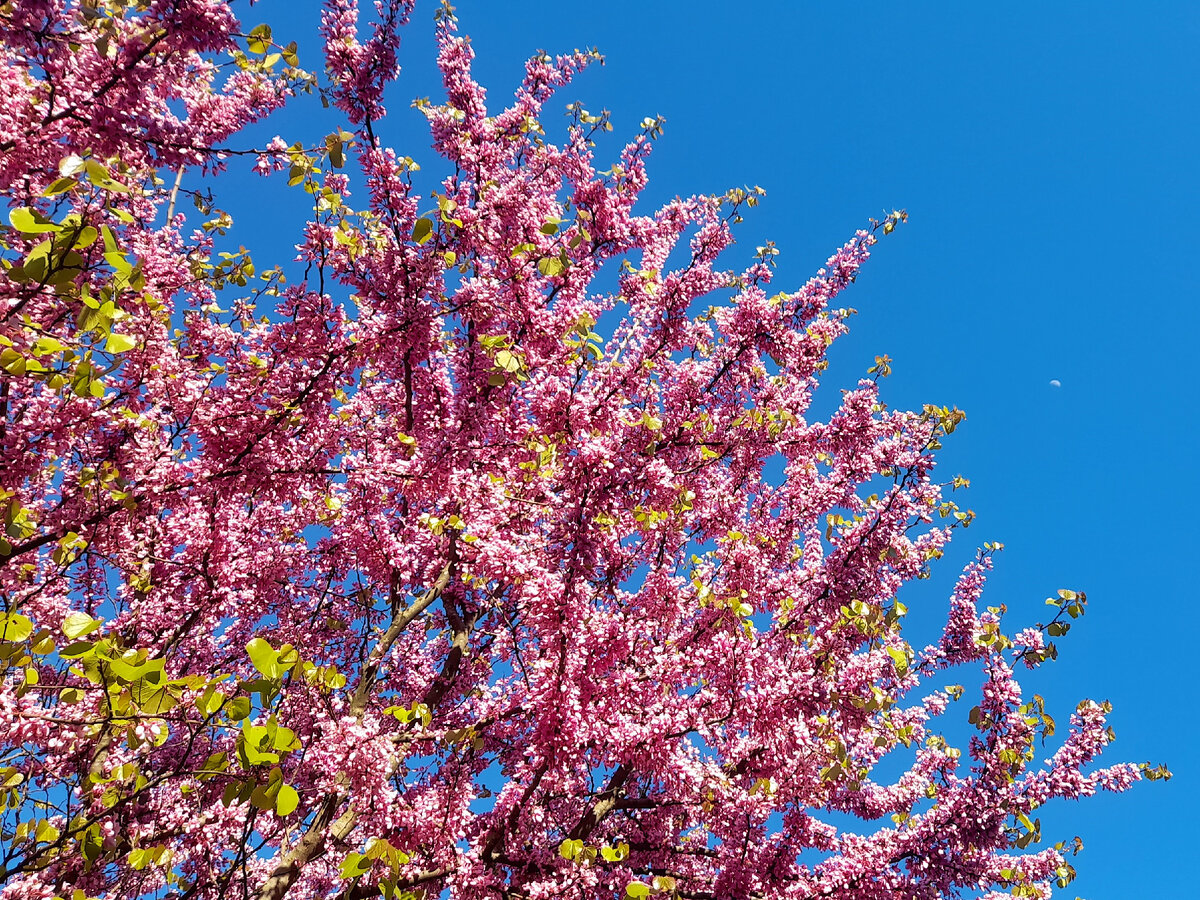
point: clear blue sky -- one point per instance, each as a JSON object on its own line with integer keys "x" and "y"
{"x": 1047, "y": 156}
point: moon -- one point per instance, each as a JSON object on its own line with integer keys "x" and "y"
{"x": 1054, "y": 382}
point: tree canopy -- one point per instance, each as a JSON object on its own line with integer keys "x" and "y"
{"x": 489, "y": 549}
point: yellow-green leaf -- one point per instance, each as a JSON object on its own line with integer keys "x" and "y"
{"x": 508, "y": 361}
{"x": 78, "y": 624}
{"x": 551, "y": 266}
{"x": 259, "y": 39}
{"x": 264, "y": 656}
{"x": 238, "y": 708}
{"x": 60, "y": 186}
{"x": 46, "y": 345}
{"x": 355, "y": 864}
{"x": 119, "y": 343}
{"x": 15, "y": 627}
{"x": 30, "y": 221}
{"x": 422, "y": 230}
{"x": 287, "y": 801}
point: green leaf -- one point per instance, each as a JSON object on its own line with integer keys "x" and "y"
{"x": 355, "y": 864}
{"x": 86, "y": 237}
{"x": 91, "y": 843}
{"x": 218, "y": 762}
{"x": 118, "y": 261}
{"x": 287, "y": 658}
{"x": 119, "y": 343}
{"x": 287, "y": 801}
{"x": 259, "y": 39}
{"x": 78, "y": 624}
{"x": 551, "y": 266}
{"x": 382, "y": 849}
{"x": 13, "y": 362}
{"x": 238, "y": 708}
{"x": 46, "y": 345}
{"x": 77, "y": 650}
{"x": 508, "y": 361}
{"x": 153, "y": 700}
{"x": 637, "y": 889}
{"x": 615, "y": 854}
{"x": 336, "y": 149}
{"x": 30, "y": 221}
{"x": 264, "y": 657}
{"x": 250, "y": 746}
{"x": 132, "y": 667}
{"x": 422, "y": 230}
{"x": 16, "y": 627}
{"x": 98, "y": 175}
{"x": 60, "y": 186}
{"x": 232, "y": 790}
{"x": 43, "y": 644}
{"x": 261, "y": 798}
{"x": 285, "y": 739}
{"x": 210, "y": 701}
{"x": 266, "y": 796}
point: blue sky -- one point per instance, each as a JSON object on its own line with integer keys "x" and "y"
{"x": 1046, "y": 155}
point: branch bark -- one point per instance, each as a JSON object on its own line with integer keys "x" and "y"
{"x": 401, "y": 619}
{"x": 606, "y": 802}
{"x": 312, "y": 844}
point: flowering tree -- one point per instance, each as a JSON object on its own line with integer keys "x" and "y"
{"x": 455, "y": 567}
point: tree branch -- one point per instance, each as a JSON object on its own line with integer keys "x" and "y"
{"x": 606, "y": 802}
{"x": 402, "y": 618}
{"x": 312, "y": 844}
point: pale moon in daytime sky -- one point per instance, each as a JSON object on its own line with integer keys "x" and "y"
{"x": 1054, "y": 382}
